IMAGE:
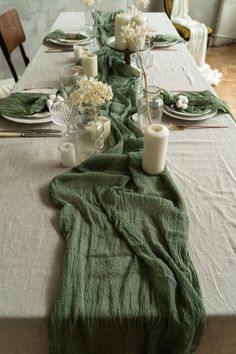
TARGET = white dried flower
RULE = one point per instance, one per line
(135, 33)
(88, 3)
(91, 94)
(141, 3)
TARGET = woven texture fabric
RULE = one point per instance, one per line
(58, 34)
(128, 283)
(22, 104)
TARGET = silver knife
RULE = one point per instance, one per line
(28, 135)
(36, 131)
(59, 50)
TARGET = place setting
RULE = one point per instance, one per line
(66, 38)
(165, 40)
(192, 106)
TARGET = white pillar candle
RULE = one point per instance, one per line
(120, 20)
(139, 20)
(155, 147)
(106, 124)
(67, 154)
(78, 52)
(90, 65)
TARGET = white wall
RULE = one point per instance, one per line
(37, 17)
(226, 23)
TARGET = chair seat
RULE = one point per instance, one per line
(185, 33)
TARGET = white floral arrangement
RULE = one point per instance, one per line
(88, 3)
(182, 102)
(91, 94)
(141, 3)
(135, 34)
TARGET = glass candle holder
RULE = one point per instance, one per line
(89, 138)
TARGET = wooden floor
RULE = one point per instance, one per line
(224, 59)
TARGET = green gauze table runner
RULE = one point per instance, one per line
(22, 104)
(105, 23)
(128, 284)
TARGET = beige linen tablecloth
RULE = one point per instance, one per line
(202, 163)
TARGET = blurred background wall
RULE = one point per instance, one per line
(37, 17)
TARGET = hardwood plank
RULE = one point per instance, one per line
(224, 59)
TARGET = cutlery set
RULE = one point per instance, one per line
(30, 133)
(183, 127)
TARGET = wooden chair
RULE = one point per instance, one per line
(12, 36)
(183, 31)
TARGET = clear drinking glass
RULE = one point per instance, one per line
(69, 80)
(155, 103)
(90, 28)
(89, 136)
(66, 114)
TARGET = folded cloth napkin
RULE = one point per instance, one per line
(22, 104)
(167, 37)
(57, 34)
(198, 102)
(105, 22)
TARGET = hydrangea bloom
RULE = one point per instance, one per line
(91, 94)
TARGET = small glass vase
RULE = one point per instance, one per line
(89, 138)
(155, 104)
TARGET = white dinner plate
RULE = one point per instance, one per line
(166, 43)
(29, 121)
(43, 117)
(192, 118)
(69, 42)
(172, 109)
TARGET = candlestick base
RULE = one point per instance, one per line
(127, 52)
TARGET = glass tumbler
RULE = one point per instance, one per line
(69, 80)
(89, 137)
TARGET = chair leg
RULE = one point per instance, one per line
(12, 69)
(26, 59)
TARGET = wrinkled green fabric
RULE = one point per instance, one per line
(21, 104)
(128, 284)
(105, 22)
(58, 34)
(198, 102)
(166, 38)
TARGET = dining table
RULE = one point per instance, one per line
(201, 161)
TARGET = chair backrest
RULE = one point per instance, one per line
(12, 36)
(168, 6)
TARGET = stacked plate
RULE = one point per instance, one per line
(69, 42)
(183, 115)
(162, 42)
(36, 118)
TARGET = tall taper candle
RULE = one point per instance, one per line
(155, 147)
(120, 20)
